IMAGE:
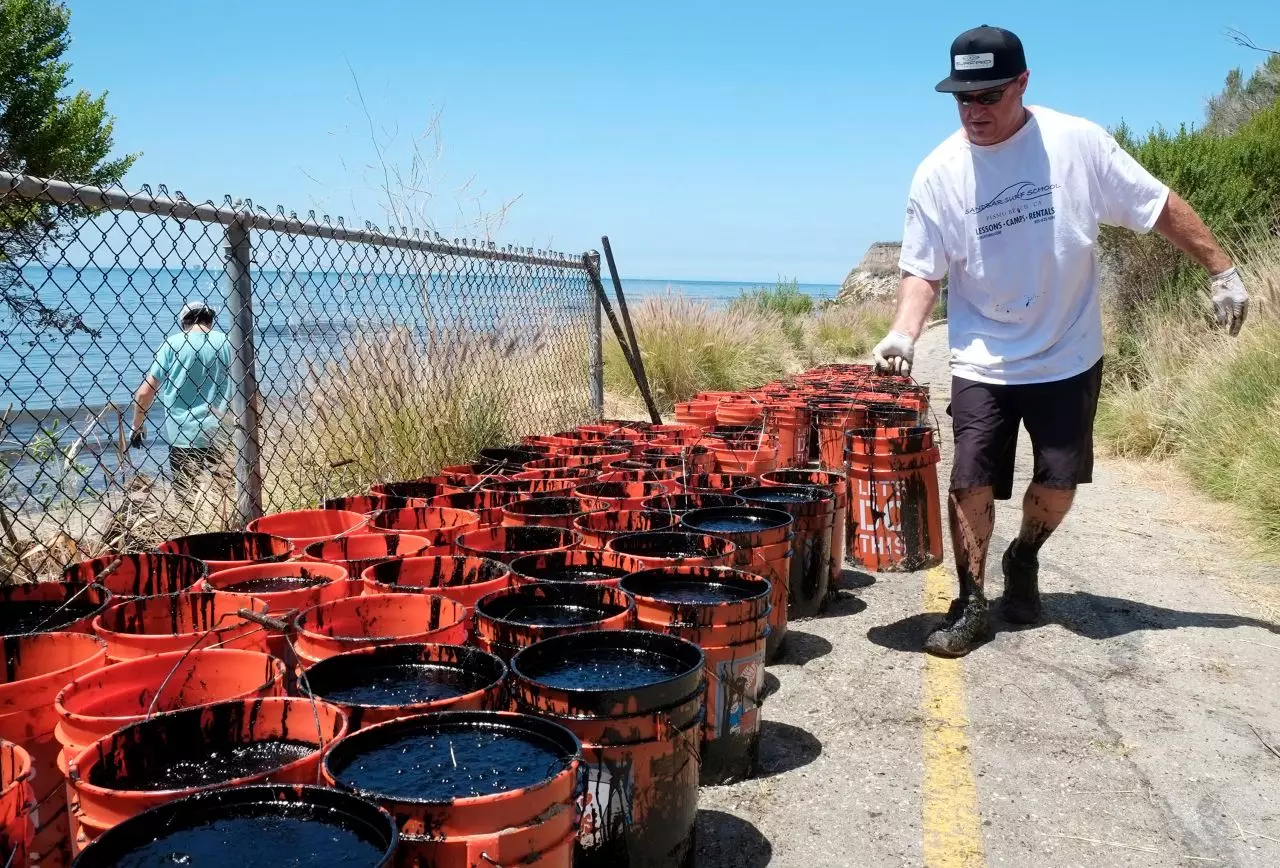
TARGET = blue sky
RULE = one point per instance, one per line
(737, 141)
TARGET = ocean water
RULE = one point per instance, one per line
(302, 318)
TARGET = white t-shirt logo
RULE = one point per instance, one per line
(975, 61)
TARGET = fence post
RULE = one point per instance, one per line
(244, 372)
(595, 355)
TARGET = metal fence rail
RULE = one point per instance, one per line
(350, 356)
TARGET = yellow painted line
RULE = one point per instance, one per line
(951, 825)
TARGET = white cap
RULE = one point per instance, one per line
(194, 307)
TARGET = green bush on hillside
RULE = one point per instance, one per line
(1232, 181)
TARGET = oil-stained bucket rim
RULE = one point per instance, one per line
(143, 826)
(109, 601)
(96, 565)
(545, 588)
(310, 635)
(124, 667)
(568, 558)
(680, 650)
(94, 750)
(549, 730)
(185, 538)
(731, 578)
(775, 515)
(100, 626)
(732, 546)
(407, 651)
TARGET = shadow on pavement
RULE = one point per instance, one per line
(726, 841)
(1089, 615)
(771, 685)
(801, 648)
(784, 747)
(850, 579)
(845, 603)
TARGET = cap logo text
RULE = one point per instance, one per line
(975, 61)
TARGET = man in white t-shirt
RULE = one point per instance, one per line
(1008, 208)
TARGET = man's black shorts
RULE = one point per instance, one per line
(1059, 418)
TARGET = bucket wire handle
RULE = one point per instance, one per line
(202, 635)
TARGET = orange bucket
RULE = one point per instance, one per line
(895, 514)
(442, 823)
(685, 502)
(726, 613)
(367, 504)
(714, 483)
(508, 543)
(373, 685)
(598, 528)
(621, 495)
(521, 489)
(574, 567)
(357, 553)
(222, 551)
(303, 527)
(548, 511)
(183, 752)
(640, 758)
(581, 473)
(838, 485)
(423, 489)
(100, 702)
(510, 620)
(383, 619)
(440, 526)
(139, 574)
(45, 607)
(38, 665)
(462, 579)
(664, 478)
(669, 548)
(17, 804)
(284, 587)
(180, 622)
(486, 504)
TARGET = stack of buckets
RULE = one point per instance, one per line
(681, 550)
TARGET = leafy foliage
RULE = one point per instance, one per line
(1233, 183)
(46, 132)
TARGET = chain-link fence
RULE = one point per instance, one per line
(314, 360)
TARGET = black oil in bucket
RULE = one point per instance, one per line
(274, 584)
(188, 765)
(441, 762)
(704, 593)
(557, 615)
(23, 616)
(609, 669)
(395, 684)
(250, 827)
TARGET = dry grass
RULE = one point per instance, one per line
(1178, 388)
(846, 332)
(395, 407)
(692, 346)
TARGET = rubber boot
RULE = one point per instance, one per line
(971, 628)
(1021, 601)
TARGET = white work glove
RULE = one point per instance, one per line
(893, 355)
(1230, 300)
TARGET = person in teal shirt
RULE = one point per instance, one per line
(191, 375)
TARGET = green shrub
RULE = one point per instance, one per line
(1233, 183)
(785, 299)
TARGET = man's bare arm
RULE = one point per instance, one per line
(916, 298)
(1182, 225)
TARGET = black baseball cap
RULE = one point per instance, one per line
(983, 57)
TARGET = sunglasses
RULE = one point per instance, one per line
(986, 97)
